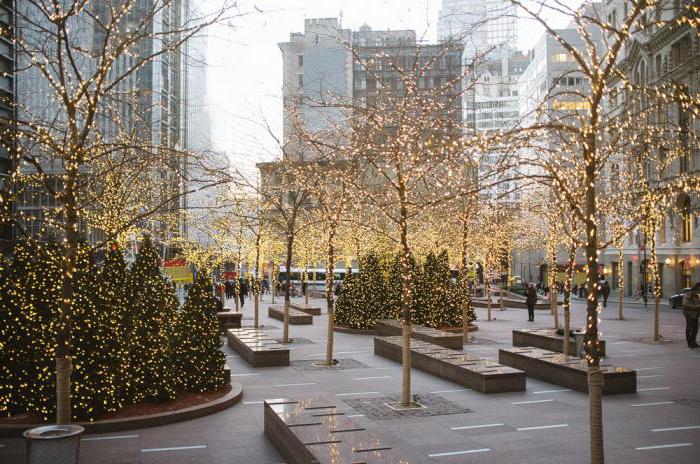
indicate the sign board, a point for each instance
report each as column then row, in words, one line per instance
column 178, row 270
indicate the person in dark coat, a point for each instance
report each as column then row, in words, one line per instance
column 242, row 290
column 691, row 311
column 605, row 291
column 530, row 300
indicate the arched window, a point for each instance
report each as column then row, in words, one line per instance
column 687, row 220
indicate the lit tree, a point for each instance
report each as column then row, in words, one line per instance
column 572, row 140
column 61, row 144
column 198, row 341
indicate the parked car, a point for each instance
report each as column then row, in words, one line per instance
column 676, row 301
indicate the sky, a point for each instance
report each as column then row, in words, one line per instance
column 245, row 63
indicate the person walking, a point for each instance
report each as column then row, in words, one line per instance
column 530, row 300
column 242, row 290
column 691, row 311
column 605, row 291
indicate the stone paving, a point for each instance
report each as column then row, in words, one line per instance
column 542, row 425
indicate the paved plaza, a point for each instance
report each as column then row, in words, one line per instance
column 545, row 424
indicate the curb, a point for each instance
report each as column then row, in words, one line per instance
column 149, row 420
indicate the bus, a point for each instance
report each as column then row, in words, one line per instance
column 319, row 283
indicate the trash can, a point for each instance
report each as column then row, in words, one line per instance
column 56, row 444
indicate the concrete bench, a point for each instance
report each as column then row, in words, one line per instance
column 229, row 320
column 314, row 431
column 481, row 374
column 548, row 339
column 391, row 327
column 257, row 347
column 296, row 317
column 567, row 371
column 304, row 308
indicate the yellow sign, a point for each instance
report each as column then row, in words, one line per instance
column 179, row 274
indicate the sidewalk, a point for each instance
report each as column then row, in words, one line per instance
column 631, row 302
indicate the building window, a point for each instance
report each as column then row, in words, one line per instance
column 300, row 60
column 687, row 218
column 560, row 57
column 300, row 80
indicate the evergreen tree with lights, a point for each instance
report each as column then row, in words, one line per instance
column 93, row 370
column 118, row 320
column 394, row 288
column 154, row 312
column 448, row 312
column 425, row 284
column 346, row 313
column 17, row 330
column 197, row 352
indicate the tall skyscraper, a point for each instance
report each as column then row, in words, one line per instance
column 148, row 103
column 483, row 26
column 7, row 108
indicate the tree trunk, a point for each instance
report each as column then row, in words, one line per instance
column 463, row 283
column 405, row 310
column 273, row 281
column 306, row 286
column 488, row 296
column 553, row 294
column 567, row 297
column 621, row 280
column 288, row 262
column 591, row 340
column 330, row 266
column 256, row 284
column 500, row 296
column 655, row 277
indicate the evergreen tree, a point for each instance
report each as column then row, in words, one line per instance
column 425, row 284
column 92, row 377
column 448, row 309
column 155, row 309
column 346, row 311
column 117, row 319
column 17, row 330
column 197, row 352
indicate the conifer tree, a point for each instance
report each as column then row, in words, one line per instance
column 197, row 352
column 17, row 329
column 92, row 391
column 118, row 315
column 155, row 309
column 424, row 284
column 346, row 312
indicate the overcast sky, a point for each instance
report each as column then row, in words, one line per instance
column 245, row 76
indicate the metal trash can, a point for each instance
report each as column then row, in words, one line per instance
column 55, row 444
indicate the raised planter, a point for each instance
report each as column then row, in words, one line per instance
column 257, row 348
column 350, row 330
column 296, row 317
column 229, row 320
column 567, row 371
column 547, row 339
column 391, row 327
column 454, row 330
column 308, row 309
column 138, row 422
column 314, row 431
column 508, row 303
column 481, row 374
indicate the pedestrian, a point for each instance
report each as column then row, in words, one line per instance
column 304, row 286
column 605, row 291
column 691, row 311
column 242, row 290
column 530, row 300
column 338, row 288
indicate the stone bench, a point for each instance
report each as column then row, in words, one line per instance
column 229, row 320
column 481, row 374
column 508, row 303
column 296, row 317
column 567, row 371
column 391, row 327
column 314, row 431
column 257, row 347
column 304, row 308
column 548, row 339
